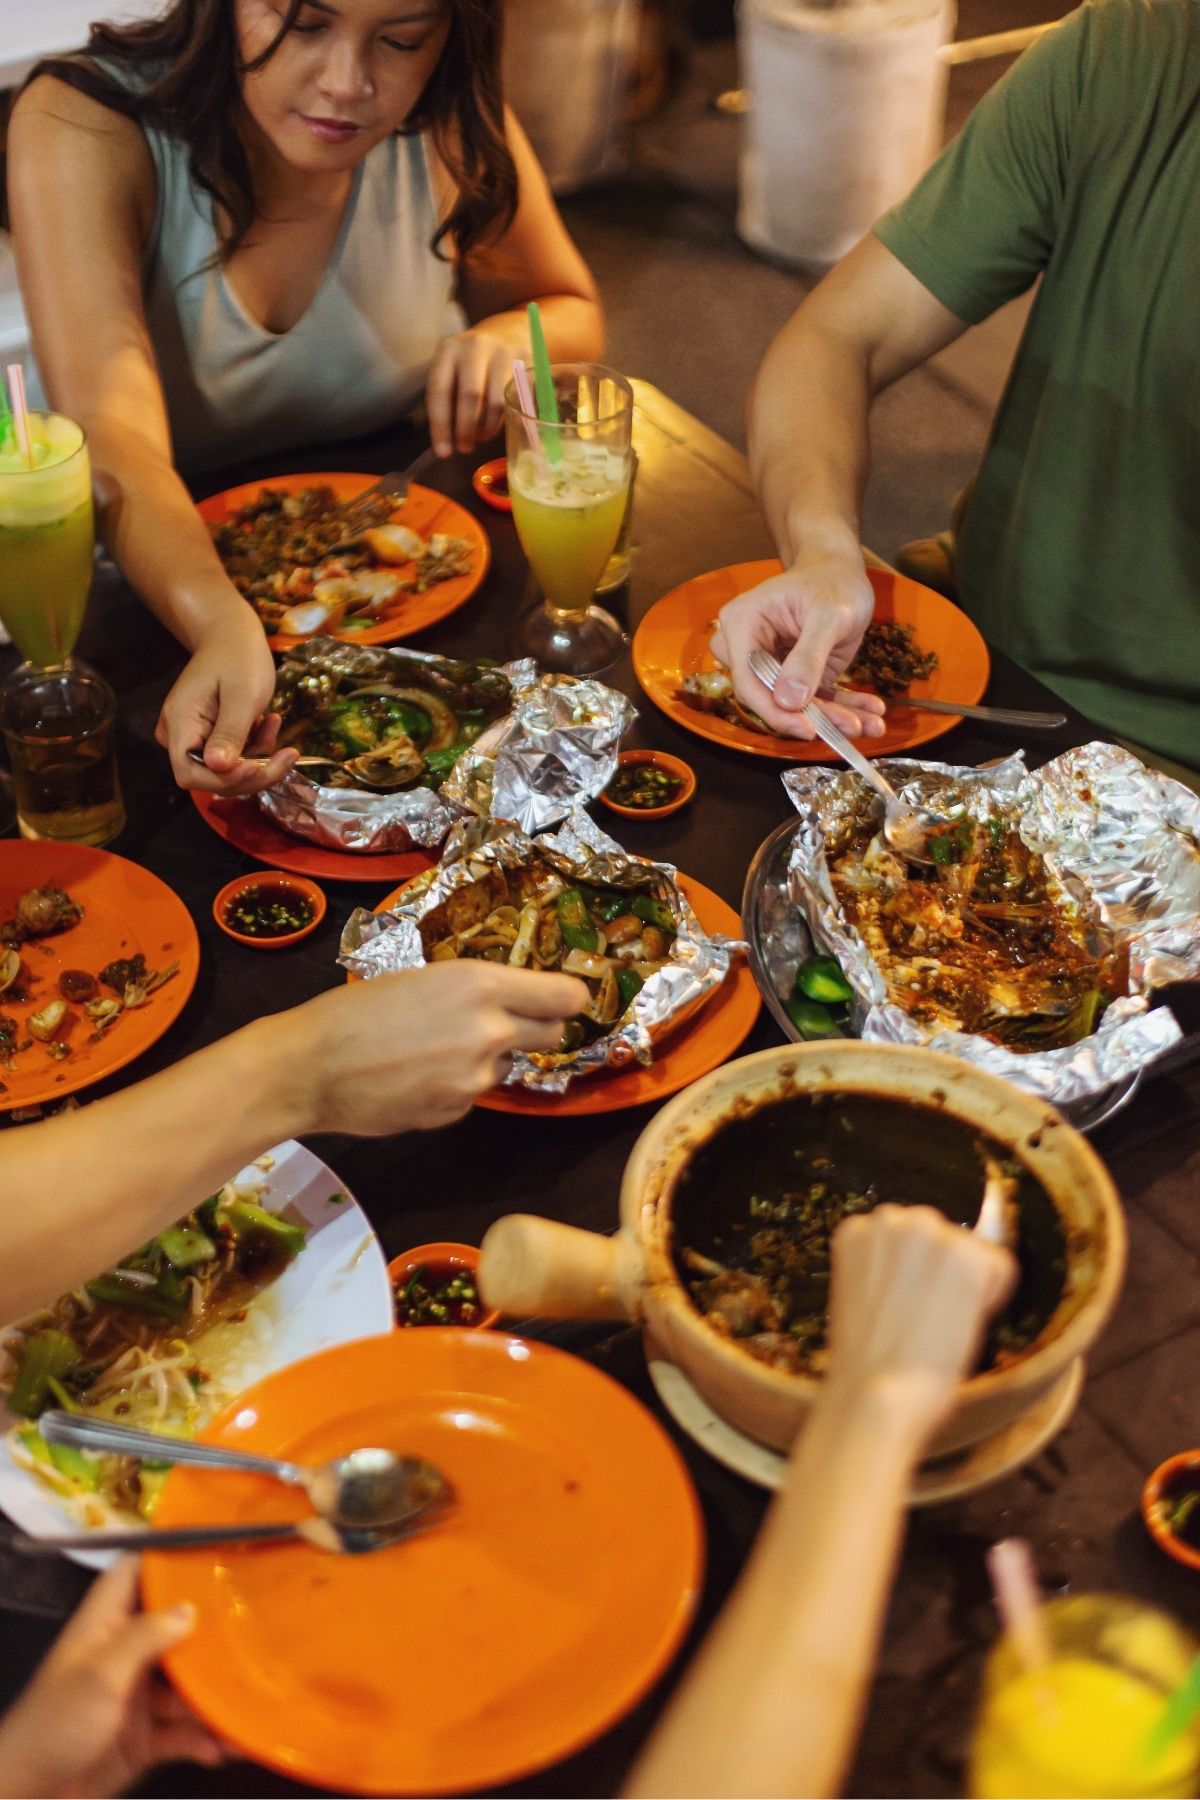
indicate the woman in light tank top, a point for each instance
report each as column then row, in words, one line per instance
column 250, row 224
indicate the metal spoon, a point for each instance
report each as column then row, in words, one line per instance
column 321, row 1533
column 905, row 827
column 367, row 1487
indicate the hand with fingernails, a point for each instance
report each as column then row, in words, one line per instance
column 220, row 707
column 98, row 1715
column 812, row 617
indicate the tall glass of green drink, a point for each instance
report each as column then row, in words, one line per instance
column 46, row 538
column 56, row 715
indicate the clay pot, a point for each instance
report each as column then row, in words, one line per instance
column 531, row 1266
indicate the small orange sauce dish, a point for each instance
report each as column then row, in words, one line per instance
column 435, row 1284
column 642, row 768
column 270, row 909
column 1172, row 1522
column 490, row 482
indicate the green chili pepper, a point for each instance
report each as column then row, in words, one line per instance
column 810, row 1019
column 821, row 978
column 611, row 907
column 629, row 986
column 47, row 1356
column 654, row 912
column 575, row 921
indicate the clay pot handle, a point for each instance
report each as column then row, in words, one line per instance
column 532, row 1266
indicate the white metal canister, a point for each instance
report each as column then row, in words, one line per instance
column 847, row 108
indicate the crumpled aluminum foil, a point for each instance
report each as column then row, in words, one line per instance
column 556, row 749
column 1111, row 831
column 579, row 850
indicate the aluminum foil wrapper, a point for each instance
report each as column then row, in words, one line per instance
column 580, row 851
column 1113, row 833
column 556, row 749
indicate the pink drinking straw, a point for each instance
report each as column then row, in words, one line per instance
column 20, row 411
column 1014, row 1585
column 528, row 415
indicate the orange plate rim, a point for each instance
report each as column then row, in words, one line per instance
column 241, row 822
column 422, row 610
column 688, row 609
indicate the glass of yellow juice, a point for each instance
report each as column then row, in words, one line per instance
column 569, row 483
column 46, row 538
column 1079, row 1727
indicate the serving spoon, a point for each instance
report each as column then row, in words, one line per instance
column 367, row 1487
column 905, row 827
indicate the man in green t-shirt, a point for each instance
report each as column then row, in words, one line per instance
column 1079, row 549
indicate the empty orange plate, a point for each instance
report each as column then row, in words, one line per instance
column 699, row 1044
column 501, row 1640
column 672, row 642
column 126, row 911
column 423, row 510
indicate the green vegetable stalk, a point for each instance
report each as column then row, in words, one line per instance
column 47, row 1356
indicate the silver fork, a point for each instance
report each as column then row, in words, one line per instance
column 393, row 486
column 905, row 827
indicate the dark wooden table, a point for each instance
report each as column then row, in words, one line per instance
column 695, row 510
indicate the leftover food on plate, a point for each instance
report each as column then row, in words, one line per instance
column 290, row 556
column 143, row 1344
column 394, row 722
column 984, row 939
column 80, row 1000
column 533, row 916
column 889, row 659
column 759, row 1200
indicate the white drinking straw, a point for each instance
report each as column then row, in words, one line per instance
column 528, row 415
column 20, row 411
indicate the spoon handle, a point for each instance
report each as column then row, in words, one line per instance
column 176, row 1537
column 102, row 1434
column 825, row 728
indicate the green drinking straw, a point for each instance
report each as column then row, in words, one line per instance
column 543, row 381
column 1181, row 1708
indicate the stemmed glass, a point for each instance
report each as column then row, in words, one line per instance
column 569, row 483
column 57, row 715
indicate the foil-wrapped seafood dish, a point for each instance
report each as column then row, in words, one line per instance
column 415, row 742
column 1032, row 929
column 573, row 901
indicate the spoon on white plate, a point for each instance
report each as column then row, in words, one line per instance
column 368, row 1488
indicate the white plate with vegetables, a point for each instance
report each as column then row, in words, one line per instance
column 281, row 1264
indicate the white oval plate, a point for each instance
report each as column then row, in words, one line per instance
column 336, row 1290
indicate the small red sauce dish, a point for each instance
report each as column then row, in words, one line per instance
column 270, row 909
column 490, row 482
column 631, row 792
column 435, row 1285
column 1171, row 1507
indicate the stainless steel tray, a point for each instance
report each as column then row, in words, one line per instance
column 779, row 941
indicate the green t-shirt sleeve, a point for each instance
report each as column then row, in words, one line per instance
column 979, row 226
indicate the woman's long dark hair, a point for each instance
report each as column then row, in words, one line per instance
column 186, row 70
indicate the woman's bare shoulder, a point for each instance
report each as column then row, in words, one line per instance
column 50, row 118
column 63, row 142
